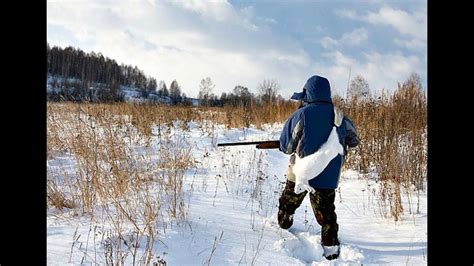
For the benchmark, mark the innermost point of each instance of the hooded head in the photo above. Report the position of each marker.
(316, 89)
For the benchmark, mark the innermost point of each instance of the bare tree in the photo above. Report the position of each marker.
(358, 89)
(205, 91)
(268, 90)
(414, 80)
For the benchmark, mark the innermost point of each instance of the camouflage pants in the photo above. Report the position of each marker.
(322, 203)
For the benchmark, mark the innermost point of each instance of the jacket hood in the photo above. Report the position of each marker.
(316, 89)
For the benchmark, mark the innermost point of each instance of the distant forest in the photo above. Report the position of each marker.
(77, 76)
(95, 68)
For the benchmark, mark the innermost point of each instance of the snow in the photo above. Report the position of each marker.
(55, 83)
(330, 250)
(232, 198)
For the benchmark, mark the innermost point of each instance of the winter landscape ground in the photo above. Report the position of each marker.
(221, 209)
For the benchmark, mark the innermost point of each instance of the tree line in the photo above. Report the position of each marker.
(79, 76)
(94, 67)
(75, 75)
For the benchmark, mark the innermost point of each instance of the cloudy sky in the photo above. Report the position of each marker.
(244, 42)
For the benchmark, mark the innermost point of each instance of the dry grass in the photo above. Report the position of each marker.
(257, 115)
(392, 129)
(118, 173)
(129, 161)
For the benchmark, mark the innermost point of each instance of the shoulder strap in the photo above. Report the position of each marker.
(338, 116)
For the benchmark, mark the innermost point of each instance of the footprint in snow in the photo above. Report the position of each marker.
(306, 246)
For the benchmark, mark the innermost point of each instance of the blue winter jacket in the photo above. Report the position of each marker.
(309, 127)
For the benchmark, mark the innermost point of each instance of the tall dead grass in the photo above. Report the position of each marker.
(393, 133)
(125, 150)
(125, 170)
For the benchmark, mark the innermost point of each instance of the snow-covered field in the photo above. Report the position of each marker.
(231, 196)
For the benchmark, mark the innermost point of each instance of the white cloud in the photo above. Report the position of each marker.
(414, 24)
(411, 25)
(382, 71)
(248, 12)
(346, 13)
(182, 40)
(189, 40)
(412, 44)
(217, 9)
(270, 20)
(329, 43)
(299, 58)
(355, 37)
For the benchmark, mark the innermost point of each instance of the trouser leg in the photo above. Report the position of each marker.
(322, 202)
(289, 200)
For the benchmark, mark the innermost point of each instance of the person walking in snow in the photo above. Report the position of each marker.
(316, 136)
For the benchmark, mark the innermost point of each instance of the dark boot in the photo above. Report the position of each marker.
(285, 220)
(322, 202)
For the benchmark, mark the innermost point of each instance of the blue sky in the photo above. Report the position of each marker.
(245, 42)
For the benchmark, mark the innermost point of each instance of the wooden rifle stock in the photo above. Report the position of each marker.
(267, 144)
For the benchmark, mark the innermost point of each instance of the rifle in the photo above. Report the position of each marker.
(267, 144)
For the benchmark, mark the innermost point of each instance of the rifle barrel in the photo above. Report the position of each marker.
(246, 143)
